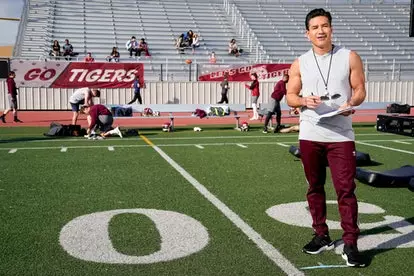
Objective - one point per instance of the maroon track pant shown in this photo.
(342, 163)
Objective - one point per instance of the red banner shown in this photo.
(270, 72)
(76, 74)
(99, 74)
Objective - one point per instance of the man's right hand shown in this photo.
(311, 102)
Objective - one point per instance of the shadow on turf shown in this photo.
(392, 244)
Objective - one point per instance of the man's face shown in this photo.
(67, 41)
(320, 32)
(285, 78)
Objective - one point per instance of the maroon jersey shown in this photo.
(11, 86)
(95, 111)
(279, 91)
(254, 87)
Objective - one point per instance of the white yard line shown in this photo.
(268, 249)
(384, 147)
(401, 142)
(201, 137)
(64, 149)
(199, 146)
(12, 150)
(283, 145)
(111, 148)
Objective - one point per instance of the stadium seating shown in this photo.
(378, 32)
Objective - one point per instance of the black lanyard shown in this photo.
(329, 69)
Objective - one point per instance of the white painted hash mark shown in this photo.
(199, 146)
(242, 146)
(268, 249)
(111, 148)
(64, 149)
(401, 142)
(12, 150)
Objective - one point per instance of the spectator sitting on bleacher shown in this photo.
(188, 38)
(88, 58)
(180, 44)
(55, 49)
(114, 55)
(68, 50)
(132, 46)
(196, 42)
(233, 48)
(143, 47)
(213, 58)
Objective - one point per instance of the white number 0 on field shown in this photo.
(87, 237)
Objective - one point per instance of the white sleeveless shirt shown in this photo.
(333, 129)
(78, 95)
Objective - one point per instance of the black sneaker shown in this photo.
(18, 121)
(318, 244)
(3, 119)
(352, 257)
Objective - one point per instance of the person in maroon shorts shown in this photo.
(324, 79)
(12, 95)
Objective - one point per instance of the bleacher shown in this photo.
(378, 32)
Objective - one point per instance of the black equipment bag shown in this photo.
(399, 108)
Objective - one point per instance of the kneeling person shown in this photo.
(100, 117)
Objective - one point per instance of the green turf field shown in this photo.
(217, 202)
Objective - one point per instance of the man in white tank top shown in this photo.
(324, 79)
(82, 96)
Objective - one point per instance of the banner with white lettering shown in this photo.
(57, 74)
(265, 72)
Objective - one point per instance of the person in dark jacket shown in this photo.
(12, 96)
(137, 85)
(279, 92)
(224, 89)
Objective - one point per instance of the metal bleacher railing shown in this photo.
(22, 26)
(269, 31)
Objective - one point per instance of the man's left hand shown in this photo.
(345, 106)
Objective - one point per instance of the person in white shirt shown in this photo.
(132, 46)
(82, 96)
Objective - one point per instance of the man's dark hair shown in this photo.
(315, 13)
(12, 73)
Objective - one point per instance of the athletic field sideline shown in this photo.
(216, 202)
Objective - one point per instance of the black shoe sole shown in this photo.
(345, 257)
(323, 248)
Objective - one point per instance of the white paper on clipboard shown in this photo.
(335, 112)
